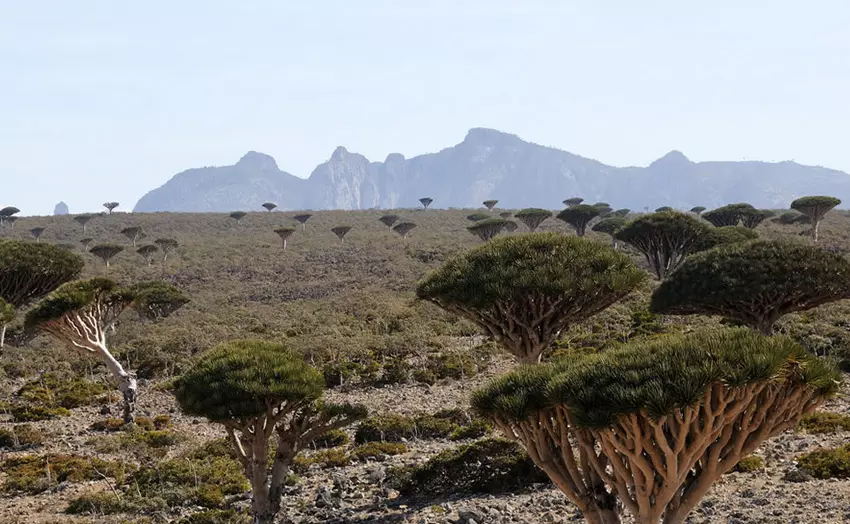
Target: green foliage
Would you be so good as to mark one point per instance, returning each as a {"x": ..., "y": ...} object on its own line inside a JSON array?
[
  {"x": 721, "y": 236},
  {"x": 331, "y": 439},
  {"x": 532, "y": 217},
  {"x": 486, "y": 466},
  {"x": 573, "y": 201},
  {"x": 150, "y": 438},
  {"x": 96, "y": 503},
  {"x": 106, "y": 252},
  {"x": 697, "y": 210},
  {"x": 751, "y": 218},
  {"x": 754, "y": 282},
  {"x": 36, "y": 473},
  {"x": 385, "y": 428},
  {"x": 792, "y": 217},
  {"x": 52, "y": 391},
  {"x": 239, "y": 379},
  {"x": 490, "y": 204},
  {"x": 156, "y": 300},
  {"x": 827, "y": 463},
  {"x": 815, "y": 207},
  {"x": 821, "y": 422},
  {"x": 477, "y": 217},
  {"x": 147, "y": 252},
  {"x": 579, "y": 216},
  {"x": 657, "y": 376},
  {"x": 238, "y": 215},
  {"x": 372, "y": 450},
  {"x": 110, "y": 425},
  {"x": 548, "y": 265},
  {"x": 665, "y": 238},
  {"x": 20, "y": 436},
  {"x": 475, "y": 429},
  {"x": 75, "y": 296},
  {"x": 215, "y": 516},
  {"x": 340, "y": 232},
  {"x": 326, "y": 458},
  {"x": 663, "y": 209},
  {"x": 268, "y": 206},
  {"x": 488, "y": 228},
  {"x": 389, "y": 220},
  {"x": 35, "y": 413},
  {"x": 728, "y": 215},
  {"x": 749, "y": 464},
  {"x": 29, "y": 271}
]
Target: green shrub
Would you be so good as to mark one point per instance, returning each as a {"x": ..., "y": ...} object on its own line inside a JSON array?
[
  {"x": 384, "y": 428},
  {"x": 749, "y": 464},
  {"x": 216, "y": 448},
  {"x": 824, "y": 422},
  {"x": 432, "y": 427},
  {"x": 827, "y": 463},
  {"x": 396, "y": 371},
  {"x": 20, "y": 436},
  {"x": 475, "y": 429},
  {"x": 327, "y": 458},
  {"x": 375, "y": 449},
  {"x": 331, "y": 439},
  {"x": 97, "y": 503},
  {"x": 51, "y": 391},
  {"x": 36, "y": 413},
  {"x": 486, "y": 466},
  {"x": 207, "y": 496},
  {"x": 181, "y": 478},
  {"x": 152, "y": 439},
  {"x": 424, "y": 376},
  {"x": 36, "y": 473},
  {"x": 452, "y": 365},
  {"x": 144, "y": 423},
  {"x": 162, "y": 422},
  {"x": 109, "y": 424}
]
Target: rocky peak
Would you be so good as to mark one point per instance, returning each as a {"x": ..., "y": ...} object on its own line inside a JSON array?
[
  {"x": 672, "y": 160},
  {"x": 481, "y": 136},
  {"x": 339, "y": 154},
  {"x": 61, "y": 209},
  {"x": 259, "y": 161},
  {"x": 394, "y": 158}
]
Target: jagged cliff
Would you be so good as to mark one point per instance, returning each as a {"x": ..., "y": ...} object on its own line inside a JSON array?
[{"x": 489, "y": 164}]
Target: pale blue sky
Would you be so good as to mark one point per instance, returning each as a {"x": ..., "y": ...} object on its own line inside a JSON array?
[{"x": 105, "y": 100}]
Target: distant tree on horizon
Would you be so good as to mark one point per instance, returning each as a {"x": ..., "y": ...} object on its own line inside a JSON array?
[
  {"x": 426, "y": 201},
  {"x": 488, "y": 228},
  {"x": 238, "y": 216},
  {"x": 284, "y": 233},
  {"x": 574, "y": 201},
  {"x": 490, "y": 204},
  {"x": 110, "y": 206},
  {"x": 302, "y": 219},
  {"x": 815, "y": 207},
  {"x": 269, "y": 206},
  {"x": 36, "y": 232},
  {"x": 340, "y": 232}
]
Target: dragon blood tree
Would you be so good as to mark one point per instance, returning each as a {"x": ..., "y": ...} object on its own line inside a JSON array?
[
  {"x": 649, "y": 427},
  {"x": 532, "y": 217},
  {"x": 488, "y": 228},
  {"x": 728, "y": 215},
  {"x": 579, "y": 216},
  {"x": 30, "y": 271},
  {"x": 261, "y": 391},
  {"x": 754, "y": 283},
  {"x": 815, "y": 208},
  {"x": 80, "y": 313},
  {"x": 664, "y": 238},
  {"x": 525, "y": 290}
]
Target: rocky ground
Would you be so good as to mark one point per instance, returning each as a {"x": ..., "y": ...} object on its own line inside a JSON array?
[{"x": 356, "y": 494}]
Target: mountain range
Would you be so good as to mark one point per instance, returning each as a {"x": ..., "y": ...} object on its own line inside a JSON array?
[{"x": 490, "y": 164}]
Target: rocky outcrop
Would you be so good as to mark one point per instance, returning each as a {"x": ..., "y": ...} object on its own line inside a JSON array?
[
  {"x": 489, "y": 164},
  {"x": 61, "y": 209}
]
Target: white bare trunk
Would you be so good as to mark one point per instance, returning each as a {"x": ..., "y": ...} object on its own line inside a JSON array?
[{"x": 3, "y": 335}]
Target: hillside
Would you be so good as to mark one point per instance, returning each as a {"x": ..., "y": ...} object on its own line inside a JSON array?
[
  {"x": 350, "y": 308},
  {"x": 489, "y": 164}
]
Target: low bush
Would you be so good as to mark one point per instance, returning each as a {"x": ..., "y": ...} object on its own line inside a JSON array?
[
  {"x": 475, "y": 429},
  {"x": 151, "y": 439},
  {"x": 749, "y": 464},
  {"x": 36, "y": 413},
  {"x": 20, "y": 436},
  {"x": 96, "y": 503},
  {"x": 109, "y": 424},
  {"x": 331, "y": 439},
  {"x": 827, "y": 463},
  {"x": 824, "y": 422},
  {"x": 36, "y": 473},
  {"x": 486, "y": 466},
  {"x": 217, "y": 516},
  {"x": 327, "y": 458},
  {"x": 384, "y": 428},
  {"x": 377, "y": 449},
  {"x": 50, "y": 390}
]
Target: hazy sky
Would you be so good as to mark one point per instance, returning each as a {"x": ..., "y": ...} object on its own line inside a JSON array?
[{"x": 105, "y": 100}]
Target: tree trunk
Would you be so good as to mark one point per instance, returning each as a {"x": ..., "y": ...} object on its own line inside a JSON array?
[
  {"x": 284, "y": 244},
  {"x": 815, "y": 228},
  {"x": 126, "y": 383},
  {"x": 3, "y": 335},
  {"x": 604, "y": 516}
]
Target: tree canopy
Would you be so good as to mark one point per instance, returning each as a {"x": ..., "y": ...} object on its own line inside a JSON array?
[
  {"x": 476, "y": 217},
  {"x": 532, "y": 217},
  {"x": 36, "y": 232},
  {"x": 238, "y": 215},
  {"x": 302, "y": 219},
  {"x": 132, "y": 233},
  {"x": 83, "y": 221},
  {"x": 574, "y": 201},
  {"x": 651, "y": 425},
  {"x": 30, "y": 271},
  {"x": 697, "y": 210},
  {"x": 490, "y": 204},
  {"x": 156, "y": 300},
  {"x": 110, "y": 206},
  {"x": 147, "y": 252},
  {"x": 663, "y": 208},
  {"x": 664, "y": 238},
  {"x": 754, "y": 283},
  {"x": 404, "y": 228},
  {"x": 389, "y": 220},
  {"x": 728, "y": 215},
  {"x": 269, "y": 206},
  {"x": 340, "y": 232},
  {"x": 579, "y": 216},
  {"x": 751, "y": 218},
  {"x": 719, "y": 236},
  {"x": 426, "y": 201},
  {"x": 488, "y": 228},
  {"x": 284, "y": 233},
  {"x": 622, "y": 213},
  {"x": 815, "y": 208},
  {"x": 525, "y": 290},
  {"x": 610, "y": 226},
  {"x": 106, "y": 252}
]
